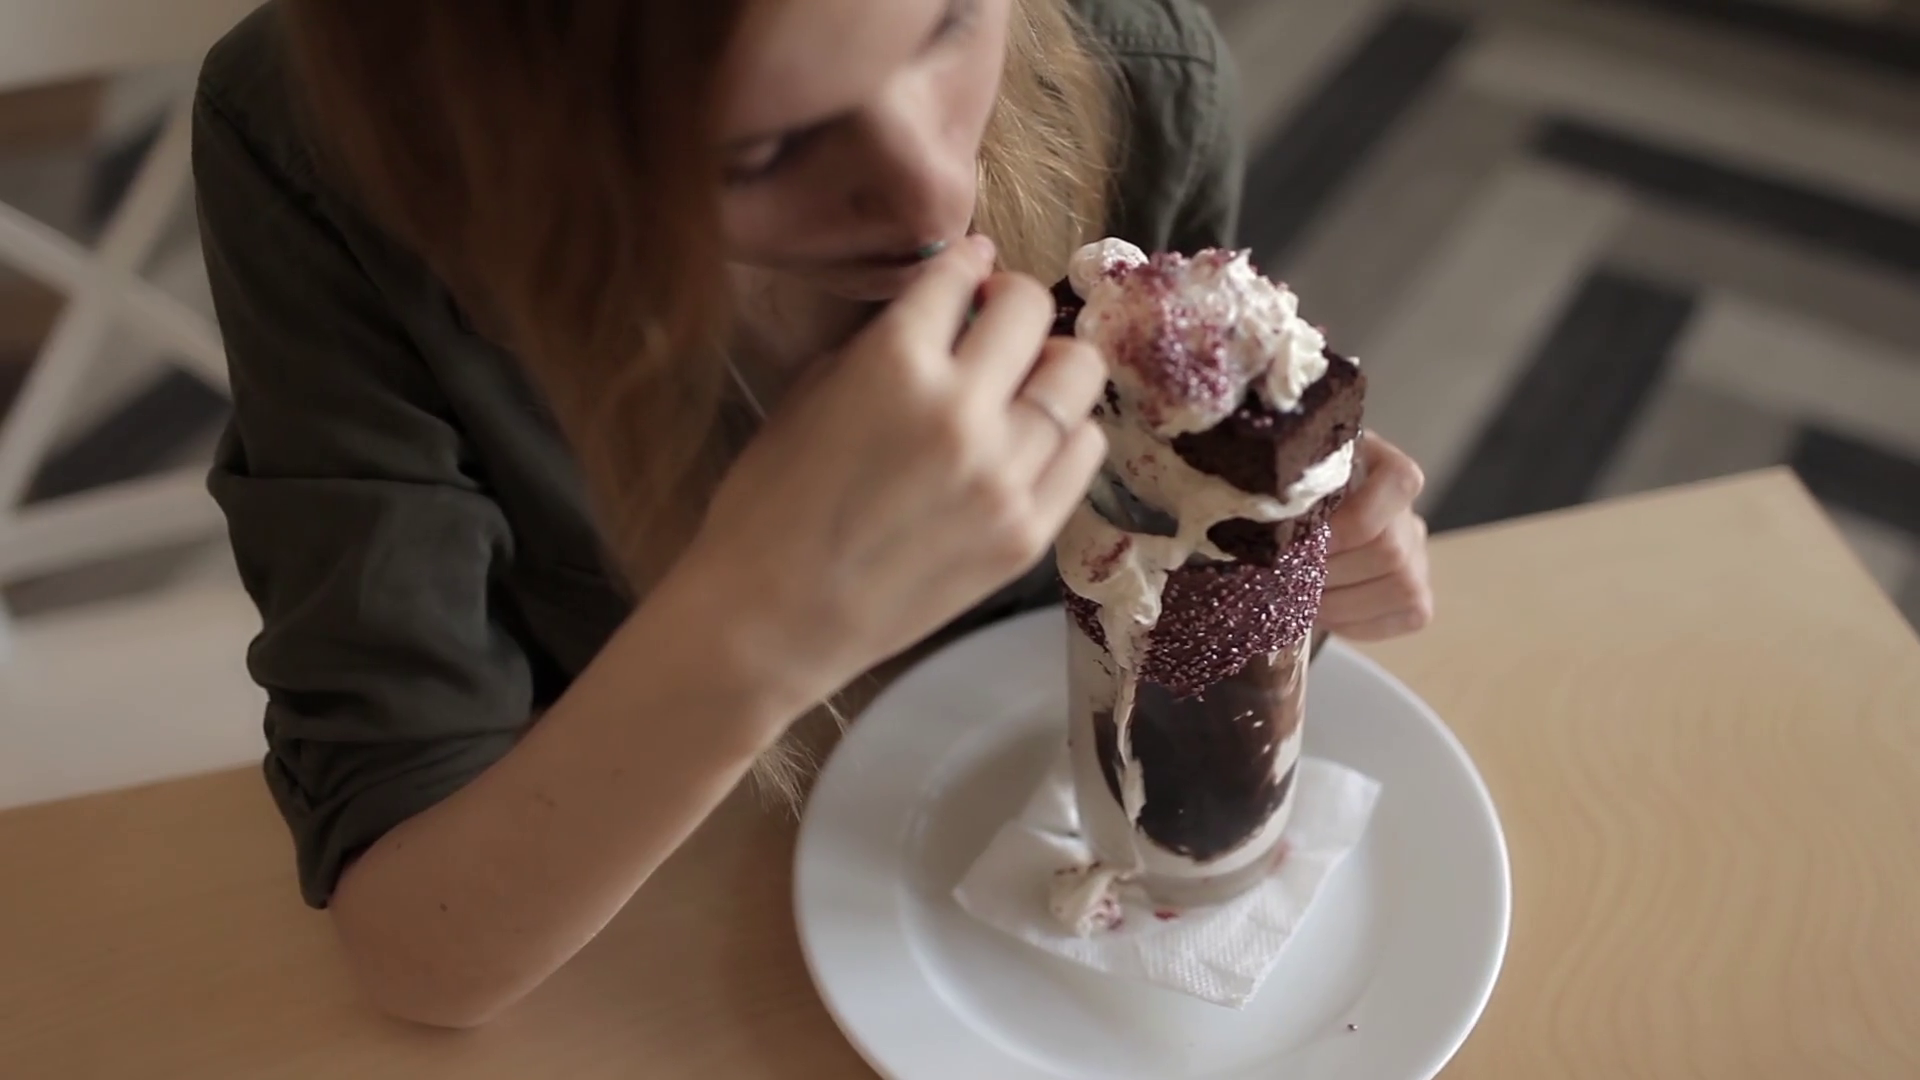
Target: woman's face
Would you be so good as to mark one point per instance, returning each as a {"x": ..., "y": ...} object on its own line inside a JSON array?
[{"x": 850, "y": 132}]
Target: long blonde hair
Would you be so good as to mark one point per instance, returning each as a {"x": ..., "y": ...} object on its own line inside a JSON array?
[{"x": 551, "y": 162}]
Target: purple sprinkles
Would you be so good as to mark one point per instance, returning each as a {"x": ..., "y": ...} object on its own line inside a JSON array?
[{"x": 1215, "y": 618}]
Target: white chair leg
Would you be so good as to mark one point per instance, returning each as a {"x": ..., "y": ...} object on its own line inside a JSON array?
[
  {"x": 42, "y": 404},
  {"x": 42, "y": 251},
  {"x": 81, "y": 331},
  {"x": 108, "y": 522},
  {"x": 101, "y": 285}
]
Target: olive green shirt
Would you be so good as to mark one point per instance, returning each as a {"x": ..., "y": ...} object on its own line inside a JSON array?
[{"x": 404, "y": 512}]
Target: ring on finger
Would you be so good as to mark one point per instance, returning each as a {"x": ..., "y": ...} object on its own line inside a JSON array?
[{"x": 1051, "y": 412}]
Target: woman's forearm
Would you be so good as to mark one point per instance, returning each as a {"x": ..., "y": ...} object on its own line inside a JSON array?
[{"x": 460, "y": 911}]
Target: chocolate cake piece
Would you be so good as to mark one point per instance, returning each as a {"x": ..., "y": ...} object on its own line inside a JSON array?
[
  {"x": 1067, "y": 304},
  {"x": 1262, "y": 543},
  {"x": 1258, "y": 449}
]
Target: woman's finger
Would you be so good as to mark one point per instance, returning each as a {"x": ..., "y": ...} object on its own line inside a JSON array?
[
  {"x": 1357, "y": 604},
  {"x": 1398, "y": 624},
  {"x": 1397, "y": 550},
  {"x": 1056, "y": 400},
  {"x": 997, "y": 352},
  {"x": 1354, "y": 605},
  {"x": 935, "y": 305},
  {"x": 1064, "y": 481},
  {"x": 1389, "y": 483},
  {"x": 1378, "y": 603}
]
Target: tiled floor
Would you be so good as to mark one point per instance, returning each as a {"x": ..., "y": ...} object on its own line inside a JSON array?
[{"x": 1590, "y": 248}]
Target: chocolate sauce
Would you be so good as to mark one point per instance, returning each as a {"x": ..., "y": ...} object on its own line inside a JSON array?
[{"x": 1208, "y": 762}]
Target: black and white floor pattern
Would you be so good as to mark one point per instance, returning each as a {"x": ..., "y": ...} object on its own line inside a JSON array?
[{"x": 1591, "y": 248}]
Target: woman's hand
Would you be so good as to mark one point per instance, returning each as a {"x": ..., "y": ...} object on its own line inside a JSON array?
[
  {"x": 926, "y": 465},
  {"x": 1377, "y": 583}
]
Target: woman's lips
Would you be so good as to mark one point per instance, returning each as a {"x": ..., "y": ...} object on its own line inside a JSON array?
[{"x": 895, "y": 261}]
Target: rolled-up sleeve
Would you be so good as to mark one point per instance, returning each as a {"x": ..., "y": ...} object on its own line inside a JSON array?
[{"x": 356, "y": 521}]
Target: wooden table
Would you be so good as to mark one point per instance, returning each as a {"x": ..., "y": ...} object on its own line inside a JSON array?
[{"x": 1700, "y": 720}]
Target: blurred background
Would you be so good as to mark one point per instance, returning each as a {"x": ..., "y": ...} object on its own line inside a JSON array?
[{"x": 1583, "y": 247}]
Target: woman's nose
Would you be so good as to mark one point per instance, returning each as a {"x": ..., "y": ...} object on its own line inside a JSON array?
[{"x": 915, "y": 181}]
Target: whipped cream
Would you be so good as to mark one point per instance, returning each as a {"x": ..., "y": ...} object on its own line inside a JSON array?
[
  {"x": 1086, "y": 899},
  {"x": 1123, "y": 572},
  {"x": 1100, "y": 260},
  {"x": 1197, "y": 500},
  {"x": 1188, "y": 338}
]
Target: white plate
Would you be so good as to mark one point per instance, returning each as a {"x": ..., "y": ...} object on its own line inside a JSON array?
[{"x": 1404, "y": 943}]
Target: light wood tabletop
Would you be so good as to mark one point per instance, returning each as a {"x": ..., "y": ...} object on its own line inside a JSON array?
[{"x": 1699, "y": 719}]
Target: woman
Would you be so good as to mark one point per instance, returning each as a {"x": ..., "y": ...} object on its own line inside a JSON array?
[{"x": 483, "y": 264}]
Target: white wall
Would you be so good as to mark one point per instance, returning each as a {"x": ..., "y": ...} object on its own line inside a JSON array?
[{"x": 50, "y": 40}]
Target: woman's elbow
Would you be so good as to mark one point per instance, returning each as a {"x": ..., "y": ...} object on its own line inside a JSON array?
[
  {"x": 420, "y": 989},
  {"x": 427, "y": 1011}
]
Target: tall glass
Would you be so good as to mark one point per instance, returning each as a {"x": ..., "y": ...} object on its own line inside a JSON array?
[{"x": 1217, "y": 770}]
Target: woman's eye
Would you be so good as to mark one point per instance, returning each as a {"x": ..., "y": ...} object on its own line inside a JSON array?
[
  {"x": 958, "y": 18},
  {"x": 761, "y": 163}
]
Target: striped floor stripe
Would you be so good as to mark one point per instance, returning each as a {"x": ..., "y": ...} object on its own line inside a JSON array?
[
  {"x": 1806, "y": 370},
  {"x": 1867, "y": 479},
  {"x": 1772, "y": 135},
  {"x": 1441, "y": 366},
  {"x": 1357, "y": 261},
  {"x": 1292, "y": 179},
  {"x": 1710, "y": 188},
  {"x": 1288, "y": 50},
  {"x": 1547, "y": 445},
  {"x": 1852, "y": 40},
  {"x": 1769, "y": 270},
  {"x": 1693, "y": 431}
]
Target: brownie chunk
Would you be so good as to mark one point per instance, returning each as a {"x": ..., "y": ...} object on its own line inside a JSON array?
[
  {"x": 1257, "y": 449},
  {"x": 1259, "y": 543},
  {"x": 1262, "y": 451}
]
